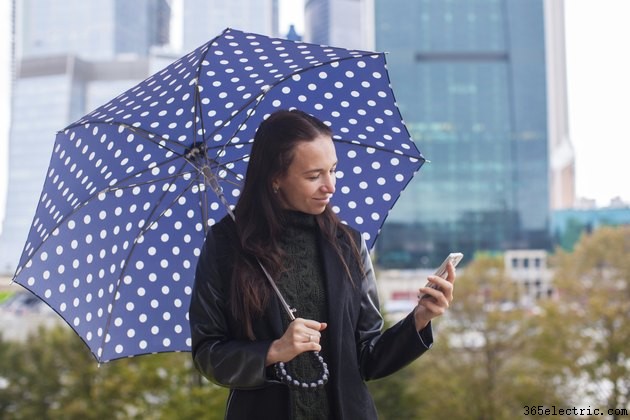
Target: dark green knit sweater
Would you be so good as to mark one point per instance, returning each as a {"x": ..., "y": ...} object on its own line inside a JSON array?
[{"x": 302, "y": 285}]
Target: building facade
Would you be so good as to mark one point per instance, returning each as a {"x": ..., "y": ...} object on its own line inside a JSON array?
[
  {"x": 471, "y": 82},
  {"x": 340, "y": 23},
  {"x": 92, "y": 30},
  {"x": 70, "y": 57},
  {"x": 568, "y": 225},
  {"x": 205, "y": 19},
  {"x": 529, "y": 270}
]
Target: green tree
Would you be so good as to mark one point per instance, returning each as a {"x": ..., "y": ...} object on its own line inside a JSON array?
[
  {"x": 593, "y": 284},
  {"x": 53, "y": 376},
  {"x": 481, "y": 366},
  {"x": 392, "y": 397}
]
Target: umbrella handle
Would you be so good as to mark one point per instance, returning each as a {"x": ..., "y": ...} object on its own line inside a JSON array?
[{"x": 282, "y": 371}]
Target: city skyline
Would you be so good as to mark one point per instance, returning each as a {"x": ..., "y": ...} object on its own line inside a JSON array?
[{"x": 597, "y": 90}]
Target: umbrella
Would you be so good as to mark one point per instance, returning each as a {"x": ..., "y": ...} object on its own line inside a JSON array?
[{"x": 129, "y": 194}]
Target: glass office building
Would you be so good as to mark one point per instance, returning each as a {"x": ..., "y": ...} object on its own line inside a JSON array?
[
  {"x": 342, "y": 23},
  {"x": 91, "y": 29},
  {"x": 470, "y": 80},
  {"x": 569, "y": 225},
  {"x": 70, "y": 57},
  {"x": 205, "y": 19}
]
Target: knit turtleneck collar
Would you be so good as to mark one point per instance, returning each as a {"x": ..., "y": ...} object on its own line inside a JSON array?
[{"x": 293, "y": 218}]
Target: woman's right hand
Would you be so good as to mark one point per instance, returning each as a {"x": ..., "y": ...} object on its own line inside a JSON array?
[{"x": 301, "y": 336}]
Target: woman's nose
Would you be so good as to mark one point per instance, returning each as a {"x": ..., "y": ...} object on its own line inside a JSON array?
[{"x": 329, "y": 183}]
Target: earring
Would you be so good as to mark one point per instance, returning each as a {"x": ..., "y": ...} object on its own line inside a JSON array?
[{"x": 275, "y": 189}]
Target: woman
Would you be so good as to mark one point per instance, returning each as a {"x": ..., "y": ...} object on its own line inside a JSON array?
[{"x": 240, "y": 331}]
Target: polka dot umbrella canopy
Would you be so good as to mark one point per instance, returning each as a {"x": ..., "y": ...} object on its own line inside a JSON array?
[{"x": 128, "y": 196}]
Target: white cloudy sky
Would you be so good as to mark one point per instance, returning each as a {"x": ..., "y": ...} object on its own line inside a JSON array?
[
  {"x": 598, "y": 68},
  {"x": 598, "y": 72}
]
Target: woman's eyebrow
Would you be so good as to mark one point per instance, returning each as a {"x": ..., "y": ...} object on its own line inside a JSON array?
[{"x": 319, "y": 169}]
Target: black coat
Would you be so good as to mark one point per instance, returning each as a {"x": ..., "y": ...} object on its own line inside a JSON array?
[{"x": 357, "y": 348}]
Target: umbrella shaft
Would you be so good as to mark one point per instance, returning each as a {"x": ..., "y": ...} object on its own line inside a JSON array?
[
  {"x": 290, "y": 311},
  {"x": 210, "y": 180}
]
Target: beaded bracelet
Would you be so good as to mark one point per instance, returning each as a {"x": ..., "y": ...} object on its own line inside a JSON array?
[{"x": 282, "y": 371}]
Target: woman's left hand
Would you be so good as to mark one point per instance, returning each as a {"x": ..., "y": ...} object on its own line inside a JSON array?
[{"x": 433, "y": 301}]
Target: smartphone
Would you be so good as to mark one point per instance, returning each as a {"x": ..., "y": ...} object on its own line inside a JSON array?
[{"x": 454, "y": 258}]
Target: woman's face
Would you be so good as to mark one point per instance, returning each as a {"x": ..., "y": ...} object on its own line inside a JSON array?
[{"x": 310, "y": 180}]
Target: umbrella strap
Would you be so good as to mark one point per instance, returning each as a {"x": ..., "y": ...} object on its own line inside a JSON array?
[
  {"x": 282, "y": 371},
  {"x": 290, "y": 311}
]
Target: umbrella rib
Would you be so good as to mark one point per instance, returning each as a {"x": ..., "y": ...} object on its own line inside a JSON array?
[
  {"x": 118, "y": 186},
  {"x": 258, "y": 98},
  {"x": 149, "y": 135},
  {"x": 145, "y": 228},
  {"x": 109, "y": 188},
  {"x": 381, "y": 149},
  {"x": 206, "y": 159},
  {"x": 198, "y": 104},
  {"x": 141, "y": 172},
  {"x": 146, "y": 134},
  {"x": 85, "y": 203}
]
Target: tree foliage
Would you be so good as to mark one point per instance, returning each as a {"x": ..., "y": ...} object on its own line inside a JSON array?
[
  {"x": 593, "y": 284},
  {"x": 481, "y": 366},
  {"x": 53, "y": 376}
]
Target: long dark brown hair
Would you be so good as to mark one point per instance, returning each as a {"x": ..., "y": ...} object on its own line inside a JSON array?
[{"x": 259, "y": 221}]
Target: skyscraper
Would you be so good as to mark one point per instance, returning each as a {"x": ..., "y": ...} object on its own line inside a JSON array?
[
  {"x": 204, "y": 19},
  {"x": 70, "y": 57},
  {"x": 341, "y": 23},
  {"x": 99, "y": 30},
  {"x": 472, "y": 83}
]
